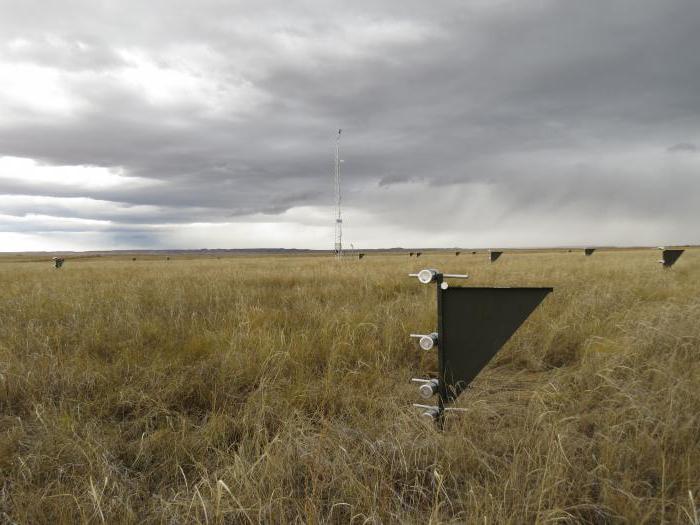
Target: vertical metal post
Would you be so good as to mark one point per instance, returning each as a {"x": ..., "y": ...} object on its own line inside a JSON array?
[{"x": 442, "y": 389}]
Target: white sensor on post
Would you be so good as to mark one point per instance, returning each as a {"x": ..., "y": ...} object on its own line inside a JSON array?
[
  {"x": 428, "y": 387},
  {"x": 430, "y": 275},
  {"x": 426, "y": 341},
  {"x": 431, "y": 412}
]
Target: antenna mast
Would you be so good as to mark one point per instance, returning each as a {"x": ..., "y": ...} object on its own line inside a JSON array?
[{"x": 338, "y": 218}]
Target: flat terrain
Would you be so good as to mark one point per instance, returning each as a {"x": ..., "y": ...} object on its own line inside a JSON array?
[{"x": 276, "y": 389}]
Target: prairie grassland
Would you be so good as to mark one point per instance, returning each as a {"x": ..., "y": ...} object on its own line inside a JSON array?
[{"x": 276, "y": 389}]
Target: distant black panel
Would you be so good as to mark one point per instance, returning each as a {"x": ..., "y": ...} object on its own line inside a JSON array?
[
  {"x": 495, "y": 255},
  {"x": 475, "y": 324},
  {"x": 588, "y": 251},
  {"x": 669, "y": 257}
]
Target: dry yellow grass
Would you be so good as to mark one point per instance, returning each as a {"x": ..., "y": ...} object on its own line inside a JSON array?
[{"x": 275, "y": 389}]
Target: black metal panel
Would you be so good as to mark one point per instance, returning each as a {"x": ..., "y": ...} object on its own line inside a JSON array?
[
  {"x": 495, "y": 255},
  {"x": 474, "y": 323},
  {"x": 669, "y": 257},
  {"x": 457, "y": 253},
  {"x": 360, "y": 255},
  {"x": 588, "y": 251}
]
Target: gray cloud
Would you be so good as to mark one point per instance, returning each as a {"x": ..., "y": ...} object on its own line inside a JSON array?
[
  {"x": 683, "y": 146},
  {"x": 550, "y": 110}
]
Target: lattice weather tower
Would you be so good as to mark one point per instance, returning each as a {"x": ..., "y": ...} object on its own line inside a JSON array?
[{"x": 338, "y": 217}]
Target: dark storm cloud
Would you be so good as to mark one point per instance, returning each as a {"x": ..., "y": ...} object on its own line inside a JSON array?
[
  {"x": 550, "y": 108},
  {"x": 683, "y": 146}
]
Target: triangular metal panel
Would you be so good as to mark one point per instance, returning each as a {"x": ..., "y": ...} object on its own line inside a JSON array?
[
  {"x": 474, "y": 324},
  {"x": 669, "y": 257}
]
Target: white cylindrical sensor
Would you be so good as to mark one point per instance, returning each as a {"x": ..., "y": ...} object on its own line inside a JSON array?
[
  {"x": 429, "y": 389},
  {"x": 427, "y": 342},
  {"x": 432, "y": 413},
  {"x": 427, "y": 276}
]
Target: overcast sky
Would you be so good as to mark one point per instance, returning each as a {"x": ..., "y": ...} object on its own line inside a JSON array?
[{"x": 203, "y": 124}]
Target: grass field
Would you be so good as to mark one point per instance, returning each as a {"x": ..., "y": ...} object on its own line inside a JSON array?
[{"x": 276, "y": 389}]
